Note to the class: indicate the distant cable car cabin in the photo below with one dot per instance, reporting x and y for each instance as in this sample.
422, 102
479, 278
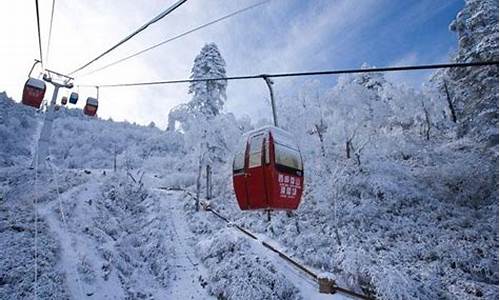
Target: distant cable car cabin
90, 108
64, 100
268, 171
34, 90
73, 98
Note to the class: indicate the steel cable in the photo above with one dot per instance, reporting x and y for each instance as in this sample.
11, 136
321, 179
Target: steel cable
312, 73
39, 34
143, 27
177, 37
50, 32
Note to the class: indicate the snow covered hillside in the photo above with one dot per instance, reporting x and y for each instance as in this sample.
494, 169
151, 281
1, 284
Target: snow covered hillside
102, 234
400, 199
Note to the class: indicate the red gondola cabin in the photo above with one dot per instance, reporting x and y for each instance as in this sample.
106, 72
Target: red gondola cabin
64, 100
33, 92
90, 108
268, 171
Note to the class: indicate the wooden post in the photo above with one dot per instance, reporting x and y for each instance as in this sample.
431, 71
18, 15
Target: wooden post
326, 285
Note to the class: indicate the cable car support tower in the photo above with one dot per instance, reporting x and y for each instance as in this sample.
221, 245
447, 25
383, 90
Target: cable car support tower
46, 132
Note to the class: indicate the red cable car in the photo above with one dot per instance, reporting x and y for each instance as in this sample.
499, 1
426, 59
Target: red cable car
90, 108
64, 100
268, 171
33, 92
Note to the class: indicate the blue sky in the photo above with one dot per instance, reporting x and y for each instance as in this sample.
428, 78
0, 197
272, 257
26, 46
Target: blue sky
377, 32
281, 36
320, 35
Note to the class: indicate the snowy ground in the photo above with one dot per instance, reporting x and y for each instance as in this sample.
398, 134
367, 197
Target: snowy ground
79, 250
211, 231
113, 238
189, 272
109, 261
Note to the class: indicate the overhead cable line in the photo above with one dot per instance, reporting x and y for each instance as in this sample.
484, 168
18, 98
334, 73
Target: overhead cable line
152, 21
39, 35
65, 223
312, 73
177, 37
50, 32
35, 206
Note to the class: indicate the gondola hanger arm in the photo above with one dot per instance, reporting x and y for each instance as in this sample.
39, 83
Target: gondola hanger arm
33, 66
269, 83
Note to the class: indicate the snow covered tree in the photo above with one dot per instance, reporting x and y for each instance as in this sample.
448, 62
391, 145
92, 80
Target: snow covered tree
358, 110
206, 129
474, 91
179, 113
208, 96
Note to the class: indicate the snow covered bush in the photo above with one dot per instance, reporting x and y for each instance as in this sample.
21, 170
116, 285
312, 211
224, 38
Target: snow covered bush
17, 237
18, 128
82, 142
237, 273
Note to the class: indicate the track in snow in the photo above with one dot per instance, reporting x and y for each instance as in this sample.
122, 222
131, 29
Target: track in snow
306, 285
75, 247
189, 272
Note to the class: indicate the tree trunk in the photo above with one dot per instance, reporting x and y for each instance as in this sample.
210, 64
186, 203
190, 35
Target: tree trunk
337, 236
348, 149
320, 136
428, 122
198, 184
358, 158
114, 160
335, 221
209, 182
450, 104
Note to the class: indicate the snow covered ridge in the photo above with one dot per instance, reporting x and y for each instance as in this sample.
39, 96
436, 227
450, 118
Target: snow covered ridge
79, 142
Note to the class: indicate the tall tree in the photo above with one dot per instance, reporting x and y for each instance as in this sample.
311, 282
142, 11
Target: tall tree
208, 96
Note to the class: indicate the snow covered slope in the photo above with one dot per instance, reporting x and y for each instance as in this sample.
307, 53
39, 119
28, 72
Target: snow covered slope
100, 234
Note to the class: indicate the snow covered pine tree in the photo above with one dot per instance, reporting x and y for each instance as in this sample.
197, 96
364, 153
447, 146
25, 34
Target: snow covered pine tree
201, 117
208, 96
